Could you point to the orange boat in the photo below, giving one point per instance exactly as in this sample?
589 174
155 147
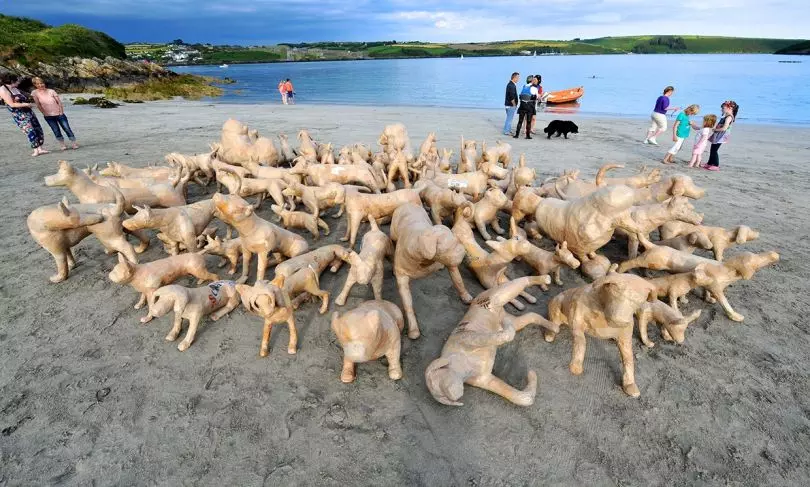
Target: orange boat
565 96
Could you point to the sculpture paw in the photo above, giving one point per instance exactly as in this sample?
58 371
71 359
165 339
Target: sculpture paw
264 353
413 334
292 350
138 306
171 337
395 373
340 301
576 369
467 298
146 319
736 317
649 343
549 336
57 278
346 377
183 346
631 390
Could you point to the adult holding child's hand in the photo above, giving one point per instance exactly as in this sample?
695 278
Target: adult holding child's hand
659 116
18 103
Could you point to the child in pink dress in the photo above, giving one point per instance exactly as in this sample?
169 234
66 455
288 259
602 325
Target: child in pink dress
702 139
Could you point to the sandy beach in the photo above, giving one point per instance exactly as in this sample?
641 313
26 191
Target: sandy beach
88 395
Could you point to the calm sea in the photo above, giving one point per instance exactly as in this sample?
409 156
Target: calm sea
768 91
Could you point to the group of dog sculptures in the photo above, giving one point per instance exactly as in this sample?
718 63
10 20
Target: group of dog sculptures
434 208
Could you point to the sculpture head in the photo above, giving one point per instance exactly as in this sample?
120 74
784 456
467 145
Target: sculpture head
680 209
283 138
300 165
231 208
141 219
747 263
744 234
516 246
212 245
493 170
303 135
677 329
444 384
700 240
123 271
682 185
113 168
496 197
234 127
562 253
64 175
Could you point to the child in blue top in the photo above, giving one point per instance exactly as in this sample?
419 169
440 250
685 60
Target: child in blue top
680 131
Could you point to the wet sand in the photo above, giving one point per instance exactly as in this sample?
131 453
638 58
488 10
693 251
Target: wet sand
90 396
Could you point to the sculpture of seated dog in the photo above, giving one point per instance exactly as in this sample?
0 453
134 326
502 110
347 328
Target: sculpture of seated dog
216 299
368 332
273 305
469 353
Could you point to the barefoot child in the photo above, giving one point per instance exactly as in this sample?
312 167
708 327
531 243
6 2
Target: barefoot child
680 131
702 139
50 105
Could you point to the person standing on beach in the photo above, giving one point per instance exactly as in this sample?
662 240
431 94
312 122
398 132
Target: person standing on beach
659 116
288 88
50 105
538 99
282 91
721 133
511 103
19 104
528 98
680 131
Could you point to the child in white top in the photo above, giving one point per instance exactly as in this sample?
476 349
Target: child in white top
702 139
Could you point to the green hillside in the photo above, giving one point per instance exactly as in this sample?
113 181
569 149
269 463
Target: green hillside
798 48
690 44
28 41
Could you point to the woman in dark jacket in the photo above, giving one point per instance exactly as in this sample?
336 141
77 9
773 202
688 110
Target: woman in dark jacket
526 110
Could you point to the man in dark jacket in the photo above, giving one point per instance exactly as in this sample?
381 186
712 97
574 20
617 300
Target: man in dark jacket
511 103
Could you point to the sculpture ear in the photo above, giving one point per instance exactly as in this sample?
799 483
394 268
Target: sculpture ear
64 207
247 211
429 244
741 234
432 382
123 260
692 238
700 273
564 245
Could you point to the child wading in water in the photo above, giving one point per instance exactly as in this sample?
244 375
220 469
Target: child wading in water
680 131
50 105
702 139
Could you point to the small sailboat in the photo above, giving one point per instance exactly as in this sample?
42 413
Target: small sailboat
462 56
223 66
534 54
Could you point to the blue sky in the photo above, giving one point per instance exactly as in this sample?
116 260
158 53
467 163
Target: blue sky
272 21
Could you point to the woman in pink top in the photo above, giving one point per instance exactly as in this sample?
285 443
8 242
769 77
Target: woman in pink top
50 105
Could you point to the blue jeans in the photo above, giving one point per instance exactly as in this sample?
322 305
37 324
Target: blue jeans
510 114
60 120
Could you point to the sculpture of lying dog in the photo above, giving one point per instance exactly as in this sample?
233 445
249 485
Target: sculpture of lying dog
367 267
258 236
273 305
118 170
321 175
368 332
149 277
720 238
649 217
422 249
688 242
603 309
673 323
216 299
469 353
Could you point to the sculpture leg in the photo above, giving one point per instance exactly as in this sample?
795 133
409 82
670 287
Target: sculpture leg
632 246
458 283
313 289
524 320
268 327
625 343
482 229
176 326
377 282
246 256
496 225
292 346
347 375
403 283
394 367
349 223
501 388
71 259
150 304
350 282
643 322
578 353
261 266
517 304
61 268
557 279
143 239
193 323
528 297
732 315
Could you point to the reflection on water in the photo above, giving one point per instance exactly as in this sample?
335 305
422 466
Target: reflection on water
565 108
766 89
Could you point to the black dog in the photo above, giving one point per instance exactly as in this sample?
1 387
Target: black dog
561 127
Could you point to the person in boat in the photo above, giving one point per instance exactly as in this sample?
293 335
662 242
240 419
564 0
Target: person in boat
721 133
659 116
288 87
19 104
511 103
526 110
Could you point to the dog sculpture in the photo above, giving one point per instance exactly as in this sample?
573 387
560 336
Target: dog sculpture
367 266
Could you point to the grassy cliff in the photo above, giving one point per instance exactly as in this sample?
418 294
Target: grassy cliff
690 44
798 48
29 41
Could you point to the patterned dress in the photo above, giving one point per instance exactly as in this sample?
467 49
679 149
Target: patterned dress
26 119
